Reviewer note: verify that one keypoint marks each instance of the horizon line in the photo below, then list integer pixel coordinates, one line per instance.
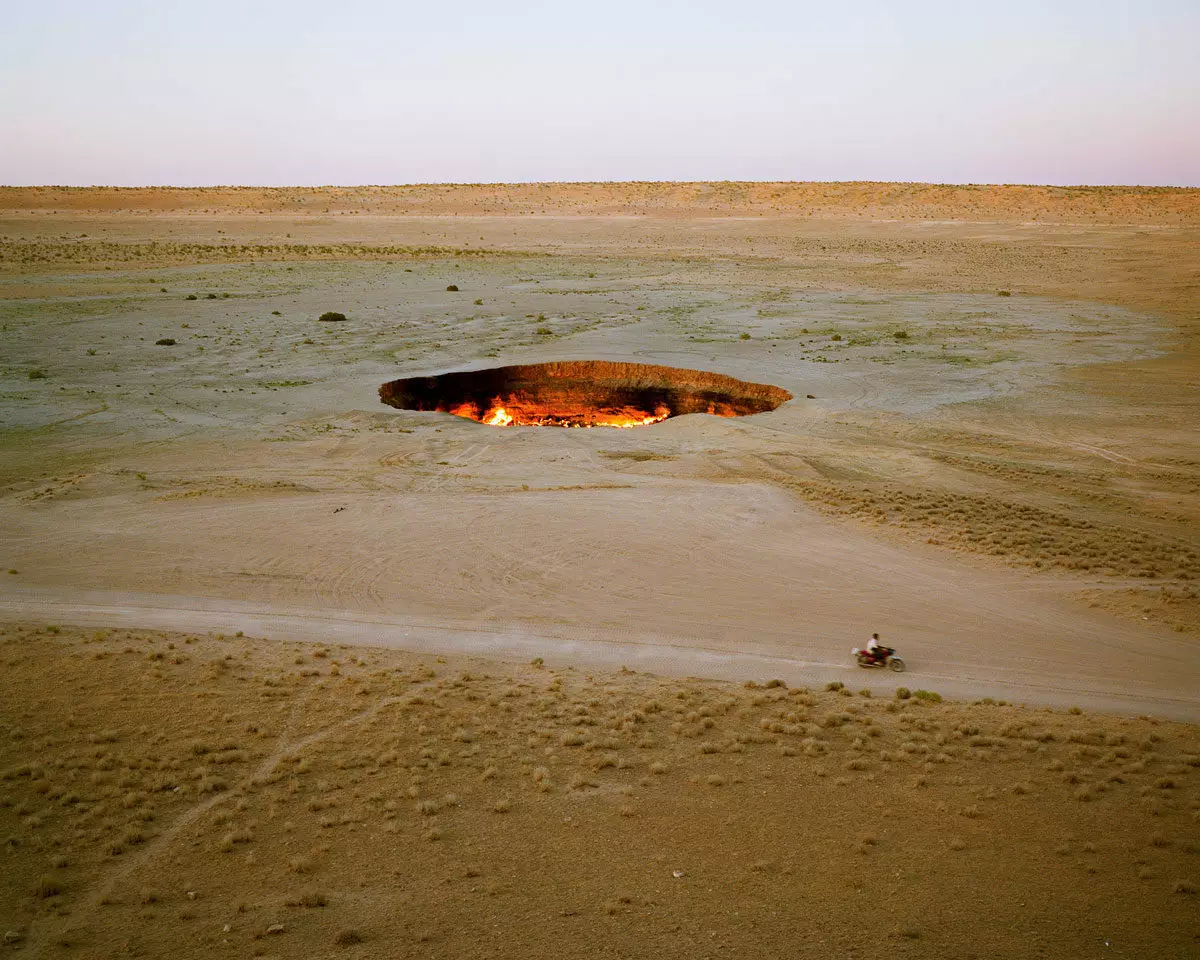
(521, 183)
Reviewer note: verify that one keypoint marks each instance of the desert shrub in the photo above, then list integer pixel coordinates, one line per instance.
(190, 296)
(1004, 293)
(903, 693)
(928, 695)
(545, 332)
(834, 685)
(37, 374)
(348, 937)
(452, 288)
(901, 334)
(836, 337)
(165, 342)
(309, 898)
(46, 887)
(743, 336)
(210, 296)
(330, 316)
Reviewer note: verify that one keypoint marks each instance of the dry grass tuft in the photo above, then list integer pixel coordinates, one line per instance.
(348, 937)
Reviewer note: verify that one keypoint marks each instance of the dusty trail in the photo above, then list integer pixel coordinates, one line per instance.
(1164, 687)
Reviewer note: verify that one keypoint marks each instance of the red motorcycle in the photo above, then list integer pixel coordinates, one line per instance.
(880, 657)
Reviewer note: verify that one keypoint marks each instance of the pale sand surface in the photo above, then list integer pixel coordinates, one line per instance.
(211, 471)
(290, 673)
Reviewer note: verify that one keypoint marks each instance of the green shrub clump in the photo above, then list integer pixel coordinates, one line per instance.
(165, 342)
(331, 315)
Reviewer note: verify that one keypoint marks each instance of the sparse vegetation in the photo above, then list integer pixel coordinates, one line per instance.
(645, 754)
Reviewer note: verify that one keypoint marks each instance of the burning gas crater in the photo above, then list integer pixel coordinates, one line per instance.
(582, 393)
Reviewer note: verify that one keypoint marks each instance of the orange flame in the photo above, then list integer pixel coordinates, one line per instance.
(515, 412)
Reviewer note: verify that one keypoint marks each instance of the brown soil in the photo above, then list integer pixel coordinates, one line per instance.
(997, 469)
(969, 202)
(185, 795)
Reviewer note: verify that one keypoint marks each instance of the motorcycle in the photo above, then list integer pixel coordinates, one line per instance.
(884, 657)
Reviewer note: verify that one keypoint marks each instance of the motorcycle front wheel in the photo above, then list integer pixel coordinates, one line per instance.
(896, 664)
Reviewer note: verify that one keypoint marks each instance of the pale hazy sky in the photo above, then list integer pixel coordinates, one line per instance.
(366, 91)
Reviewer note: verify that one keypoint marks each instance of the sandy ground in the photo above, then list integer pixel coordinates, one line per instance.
(496, 698)
(198, 795)
(1003, 485)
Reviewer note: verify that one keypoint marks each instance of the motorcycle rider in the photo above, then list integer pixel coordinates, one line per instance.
(876, 650)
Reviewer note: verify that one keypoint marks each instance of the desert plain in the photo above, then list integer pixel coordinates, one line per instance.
(288, 672)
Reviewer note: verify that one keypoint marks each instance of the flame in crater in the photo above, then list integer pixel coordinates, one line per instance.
(513, 411)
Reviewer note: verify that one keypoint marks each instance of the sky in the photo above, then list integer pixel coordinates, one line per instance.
(138, 92)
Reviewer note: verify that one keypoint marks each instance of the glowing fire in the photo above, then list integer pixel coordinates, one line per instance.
(515, 412)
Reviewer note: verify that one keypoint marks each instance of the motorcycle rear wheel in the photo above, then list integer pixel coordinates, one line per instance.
(896, 664)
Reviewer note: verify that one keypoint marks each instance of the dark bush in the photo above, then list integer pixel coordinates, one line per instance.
(165, 342)
(453, 288)
(330, 315)
(37, 374)
(190, 296)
